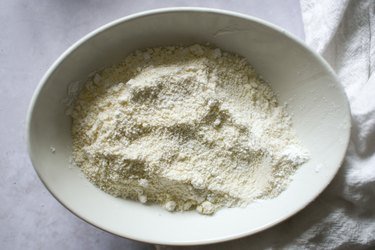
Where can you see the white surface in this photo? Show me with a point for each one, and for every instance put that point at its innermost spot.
(33, 35)
(319, 106)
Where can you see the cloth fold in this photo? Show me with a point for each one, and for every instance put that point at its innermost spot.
(350, 49)
(343, 216)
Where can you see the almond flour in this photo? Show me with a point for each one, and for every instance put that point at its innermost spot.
(184, 127)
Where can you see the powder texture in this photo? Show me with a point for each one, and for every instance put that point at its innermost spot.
(184, 127)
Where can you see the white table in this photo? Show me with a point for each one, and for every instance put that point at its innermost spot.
(32, 35)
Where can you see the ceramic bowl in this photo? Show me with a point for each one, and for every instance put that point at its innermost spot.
(301, 78)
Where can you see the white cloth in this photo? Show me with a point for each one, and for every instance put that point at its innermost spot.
(343, 216)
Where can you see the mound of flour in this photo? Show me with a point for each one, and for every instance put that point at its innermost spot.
(185, 127)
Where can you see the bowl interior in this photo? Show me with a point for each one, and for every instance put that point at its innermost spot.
(319, 106)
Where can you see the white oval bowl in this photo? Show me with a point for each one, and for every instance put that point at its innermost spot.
(319, 106)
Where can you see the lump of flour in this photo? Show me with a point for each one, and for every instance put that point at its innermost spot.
(184, 127)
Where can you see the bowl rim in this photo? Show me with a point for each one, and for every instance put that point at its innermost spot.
(157, 11)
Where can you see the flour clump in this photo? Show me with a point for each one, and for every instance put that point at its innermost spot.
(184, 127)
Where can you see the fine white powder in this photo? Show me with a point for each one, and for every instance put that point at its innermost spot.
(184, 127)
